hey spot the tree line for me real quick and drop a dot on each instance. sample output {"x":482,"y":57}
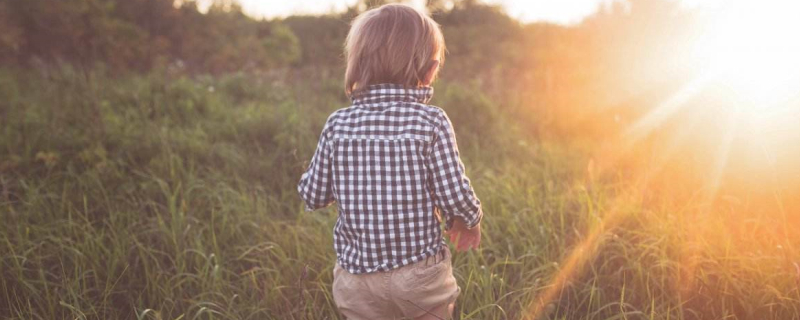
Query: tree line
{"x":621,"y":56}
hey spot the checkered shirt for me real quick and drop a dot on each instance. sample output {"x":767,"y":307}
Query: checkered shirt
{"x":389,"y":161}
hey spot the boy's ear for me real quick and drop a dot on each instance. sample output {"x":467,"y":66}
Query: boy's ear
{"x":431,"y":73}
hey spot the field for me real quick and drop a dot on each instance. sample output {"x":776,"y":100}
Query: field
{"x":149,"y":158}
{"x":154,"y":197}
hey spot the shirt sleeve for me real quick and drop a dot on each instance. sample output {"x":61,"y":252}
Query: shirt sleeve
{"x":315,"y":185}
{"x":453,"y":194}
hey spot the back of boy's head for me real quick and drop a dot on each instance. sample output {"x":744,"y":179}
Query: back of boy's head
{"x":391,"y":44}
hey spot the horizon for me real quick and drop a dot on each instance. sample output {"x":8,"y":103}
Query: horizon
{"x":565,"y":12}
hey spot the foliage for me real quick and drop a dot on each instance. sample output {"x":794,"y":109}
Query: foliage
{"x":138,"y":35}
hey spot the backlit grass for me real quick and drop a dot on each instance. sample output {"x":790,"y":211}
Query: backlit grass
{"x":161,"y":197}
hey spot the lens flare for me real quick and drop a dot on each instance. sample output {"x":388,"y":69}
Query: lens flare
{"x":752,"y":48}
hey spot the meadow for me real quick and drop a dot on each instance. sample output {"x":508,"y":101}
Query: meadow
{"x":163,"y":198}
{"x":171,"y":195}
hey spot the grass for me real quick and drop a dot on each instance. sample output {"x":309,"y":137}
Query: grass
{"x":167,"y":197}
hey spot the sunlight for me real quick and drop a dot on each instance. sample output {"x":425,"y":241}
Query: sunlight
{"x":580,"y":257}
{"x":748,"y":54}
{"x":747,"y":92}
{"x":751,"y":57}
{"x":660,"y":113}
{"x":752,"y":49}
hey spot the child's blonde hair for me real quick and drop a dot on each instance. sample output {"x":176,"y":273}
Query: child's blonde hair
{"x":391,"y":44}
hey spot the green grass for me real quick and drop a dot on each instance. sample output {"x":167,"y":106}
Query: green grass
{"x":166,"y":197}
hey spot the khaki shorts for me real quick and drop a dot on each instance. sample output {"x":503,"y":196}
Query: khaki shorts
{"x":403,"y":293}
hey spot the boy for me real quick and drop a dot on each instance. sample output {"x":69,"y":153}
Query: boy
{"x":390,"y":161}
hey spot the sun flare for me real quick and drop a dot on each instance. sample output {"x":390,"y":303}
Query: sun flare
{"x":745,"y":95}
{"x":752,"y":48}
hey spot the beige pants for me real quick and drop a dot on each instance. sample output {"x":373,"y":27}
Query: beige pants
{"x":404,"y":293}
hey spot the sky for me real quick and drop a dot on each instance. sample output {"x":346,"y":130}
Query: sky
{"x":559,"y":11}
{"x":556,"y":11}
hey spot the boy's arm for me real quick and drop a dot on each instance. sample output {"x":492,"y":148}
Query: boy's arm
{"x":452,"y":191}
{"x":315,"y":184}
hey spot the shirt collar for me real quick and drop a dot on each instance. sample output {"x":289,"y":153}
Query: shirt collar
{"x":387,"y":92}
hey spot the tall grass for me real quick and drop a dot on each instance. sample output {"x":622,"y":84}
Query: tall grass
{"x":167,"y":197}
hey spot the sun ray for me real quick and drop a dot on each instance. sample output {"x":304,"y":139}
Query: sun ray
{"x":750,"y":71}
{"x":653,"y":119}
{"x":574,"y":263}
{"x":722,"y":155}
{"x":691,"y":251}
{"x":582,"y":253}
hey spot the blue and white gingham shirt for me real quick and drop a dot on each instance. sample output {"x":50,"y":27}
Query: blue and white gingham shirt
{"x":389,"y":161}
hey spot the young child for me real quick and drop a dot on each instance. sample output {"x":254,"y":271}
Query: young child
{"x":390,"y":161}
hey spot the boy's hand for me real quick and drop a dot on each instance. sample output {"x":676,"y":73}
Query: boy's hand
{"x":464,"y":238}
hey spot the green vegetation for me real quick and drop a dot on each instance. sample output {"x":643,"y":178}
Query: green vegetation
{"x":169,"y":193}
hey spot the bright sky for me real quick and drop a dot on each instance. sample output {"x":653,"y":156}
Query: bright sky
{"x":558,"y":11}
